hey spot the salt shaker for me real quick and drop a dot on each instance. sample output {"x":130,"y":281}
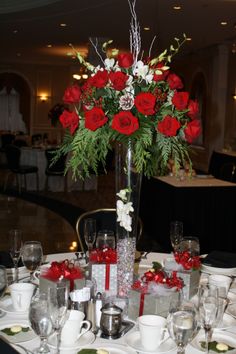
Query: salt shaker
{"x":98,"y":306}
{"x":91,"y":315}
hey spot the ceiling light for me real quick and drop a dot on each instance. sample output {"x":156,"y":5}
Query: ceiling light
{"x":84,"y":76}
{"x":188,"y":39}
{"x":49,"y":45}
{"x":76,"y":76}
{"x":63,"y":24}
{"x":177,"y":7}
{"x":69,"y":54}
{"x":234,"y":97}
{"x":146,"y":28}
{"x":224,"y":23}
{"x":15,"y":31}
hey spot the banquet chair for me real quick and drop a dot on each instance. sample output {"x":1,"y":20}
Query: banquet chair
{"x":55,"y":168}
{"x":105,"y":220}
{"x":227,"y":172}
{"x":13,"y":154}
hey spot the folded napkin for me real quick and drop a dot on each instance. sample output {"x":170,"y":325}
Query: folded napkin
{"x":6,"y":348}
{"x":220,"y":259}
{"x":5,"y":260}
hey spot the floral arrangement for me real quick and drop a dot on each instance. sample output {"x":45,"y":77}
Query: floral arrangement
{"x":187,"y":261}
{"x":132,"y":100}
{"x":55,"y":113}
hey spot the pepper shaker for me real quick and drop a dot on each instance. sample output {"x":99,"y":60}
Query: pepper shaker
{"x":98,"y":306}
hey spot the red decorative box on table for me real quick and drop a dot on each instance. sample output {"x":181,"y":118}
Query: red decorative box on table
{"x":58,"y":270}
{"x":152,"y":294}
{"x":103,"y":269}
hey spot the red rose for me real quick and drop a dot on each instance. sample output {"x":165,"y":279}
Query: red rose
{"x":72,"y":94}
{"x":125,"y":60}
{"x":95,"y":118}
{"x":160,"y":77}
{"x":145,"y":103}
{"x":174,"y":82}
{"x":125,"y":123}
{"x":192,"y":130}
{"x":168,"y":126}
{"x":118,"y":80}
{"x":69,"y":120}
{"x":100,"y":79}
{"x":180,"y":100}
{"x":193,"y":109}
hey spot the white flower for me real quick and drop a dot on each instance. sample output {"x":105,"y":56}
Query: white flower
{"x":109,"y":63}
{"x":123,"y":217}
{"x":126,"y":102}
{"x":142,"y":71}
{"x":122,"y":194}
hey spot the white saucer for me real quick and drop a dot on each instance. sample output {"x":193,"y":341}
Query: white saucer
{"x":86,"y":339}
{"x":216,"y":270}
{"x":6,"y":306}
{"x":133,"y":340}
{"x":19,"y":337}
{"x":221,"y":337}
{"x":114,"y":348}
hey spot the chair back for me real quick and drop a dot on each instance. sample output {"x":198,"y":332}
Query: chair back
{"x":13,"y":153}
{"x":7,"y":139}
{"x":105,"y":220}
{"x":227,"y":172}
{"x":55,"y":168}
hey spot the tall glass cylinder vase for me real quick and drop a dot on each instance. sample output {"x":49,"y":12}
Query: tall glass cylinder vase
{"x":128,"y":184}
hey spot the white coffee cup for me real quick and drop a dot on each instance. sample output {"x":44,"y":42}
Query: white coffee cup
{"x":153,"y":331}
{"x":21,"y":294}
{"x":222,"y":282}
{"x":72,"y":329}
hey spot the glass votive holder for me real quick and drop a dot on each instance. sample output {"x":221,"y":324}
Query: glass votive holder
{"x":105,"y":238}
{"x":190,"y":244}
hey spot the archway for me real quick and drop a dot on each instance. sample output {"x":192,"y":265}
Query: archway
{"x":9,"y":81}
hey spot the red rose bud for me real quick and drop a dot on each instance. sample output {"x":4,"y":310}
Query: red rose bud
{"x":192,"y":130}
{"x":125,"y":123}
{"x":168,"y":126}
{"x":72,"y":94}
{"x":125,"y":60}
{"x":180,"y":100}
{"x":145,"y":103}
{"x":100,"y":79}
{"x":118,"y":80}
{"x":69,"y":120}
{"x":95,"y":118}
{"x":193,"y":109}
{"x":174,"y":82}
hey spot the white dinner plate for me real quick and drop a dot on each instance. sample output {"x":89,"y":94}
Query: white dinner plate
{"x":133,"y":340}
{"x":220,"y":337}
{"x":18,"y":337}
{"x":6,"y":306}
{"x":86,"y":339}
{"x":231,"y":310}
{"x":216,"y":270}
{"x":227,"y":322}
{"x":231,"y":296}
{"x":113,"y":348}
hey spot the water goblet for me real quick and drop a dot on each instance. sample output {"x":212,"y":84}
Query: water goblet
{"x":176,"y":234}
{"x":208,"y":304}
{"x":40,"y":321}
{"x":15,"y":245}
{"x":89,"y":232}
{"x":57,"y":308}
{"x":182,"y":323}
{"x":105,"y":238}
{"x":190,"y":244}
{"x":32,"y":255}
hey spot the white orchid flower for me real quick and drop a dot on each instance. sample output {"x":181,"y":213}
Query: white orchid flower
{"x":141,"y":70}
{"x":122,"y":194}
{"x":109,"y":63}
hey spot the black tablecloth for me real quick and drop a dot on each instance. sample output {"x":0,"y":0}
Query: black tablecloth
{"x":207,"y":212}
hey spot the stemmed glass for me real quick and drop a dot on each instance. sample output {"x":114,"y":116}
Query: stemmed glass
{"x":182,"y":323}
{"x":176,"y":234}
{"x":3,"y":284}
{"x":32,"y":255}
{"x":40,"y":321}
{"x":208,"y":303}
{"x":89,"y":232}
{"x":57,"y":308}
{"x":15,"y":244}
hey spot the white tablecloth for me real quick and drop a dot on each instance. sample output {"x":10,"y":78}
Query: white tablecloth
{"x":99,"y":342}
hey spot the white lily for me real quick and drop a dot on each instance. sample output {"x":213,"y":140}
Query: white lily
{"x":109,"y":63}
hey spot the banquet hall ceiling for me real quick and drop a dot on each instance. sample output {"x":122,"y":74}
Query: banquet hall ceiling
{"x":27,"y":27}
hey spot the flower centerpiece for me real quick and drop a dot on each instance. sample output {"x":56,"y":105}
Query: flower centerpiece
{"x":136,"y":102}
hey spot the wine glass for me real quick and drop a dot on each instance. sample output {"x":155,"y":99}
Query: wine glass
{"x":40,"y":321}
{"x":57,"y":308}
{"x":3,"y":283}
{"x":190,"y":244}
{"x":208,"y":303}
{"x":176,"y":234}
{"x":105,"y":238}
{"x":182,"y":323}
{"x":15,"y":244}
{"x":32,"y":255}
{"x":89,"y":232}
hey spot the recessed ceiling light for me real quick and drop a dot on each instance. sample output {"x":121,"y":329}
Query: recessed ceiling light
{"x":49,"y":45}
{"x":146,"y":28}
{"x":177,"y":7}
{"x":63,"y":24}
{"x":224,"y":23}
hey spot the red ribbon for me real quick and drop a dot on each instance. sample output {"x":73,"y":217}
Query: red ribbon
{"x":141,"y":303}
{"x":105,"y":255}
{"x":107,"y":277}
